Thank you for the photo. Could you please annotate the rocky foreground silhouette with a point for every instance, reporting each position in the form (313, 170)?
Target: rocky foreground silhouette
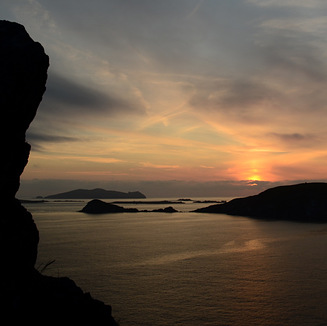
(27, 297)
(305, 202)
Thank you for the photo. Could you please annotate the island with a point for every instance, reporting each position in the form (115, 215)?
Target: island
(149, 202)
(305, 202)
(96, 193)
(97, 206)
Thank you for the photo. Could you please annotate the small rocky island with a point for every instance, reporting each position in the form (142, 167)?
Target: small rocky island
(97, 206)
(305, 202)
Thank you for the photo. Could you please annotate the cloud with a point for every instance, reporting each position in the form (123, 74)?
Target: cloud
(37, 140)
(195, 9)
(62, 90)
(287, 83)
(290, 137)
(286, 3)
(297, 171)
(239, 100)
(160, 166)
(49, 138)
(312, 25)
(294, 56)
(72, 97)
(297, 139)
(255, 71)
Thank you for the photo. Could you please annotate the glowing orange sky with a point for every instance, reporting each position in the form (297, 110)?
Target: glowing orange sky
(190, 90)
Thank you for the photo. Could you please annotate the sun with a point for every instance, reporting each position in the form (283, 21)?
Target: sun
(254, 177)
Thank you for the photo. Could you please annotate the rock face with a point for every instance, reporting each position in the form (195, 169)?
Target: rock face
(306, 202)
(27, 297)
(23, 74)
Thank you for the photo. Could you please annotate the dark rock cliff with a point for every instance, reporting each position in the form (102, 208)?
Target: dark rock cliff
(23, 74)
(306, 202)
(26, 295)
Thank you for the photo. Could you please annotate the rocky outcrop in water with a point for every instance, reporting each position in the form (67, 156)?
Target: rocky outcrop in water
(306, 202)
(97, 206)
(168, 209)
(27, 297)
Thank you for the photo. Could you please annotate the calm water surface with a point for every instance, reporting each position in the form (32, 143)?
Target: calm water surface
(187, 268)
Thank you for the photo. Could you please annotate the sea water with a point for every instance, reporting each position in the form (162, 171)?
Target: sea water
(161, 269)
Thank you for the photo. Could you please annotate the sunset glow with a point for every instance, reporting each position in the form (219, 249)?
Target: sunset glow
(255, 178)
(186, 91)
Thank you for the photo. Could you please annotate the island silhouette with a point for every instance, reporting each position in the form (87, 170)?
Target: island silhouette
(305, 202)
(97, 206)
(96, 193)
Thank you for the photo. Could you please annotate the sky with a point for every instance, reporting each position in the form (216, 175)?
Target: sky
(194, 97)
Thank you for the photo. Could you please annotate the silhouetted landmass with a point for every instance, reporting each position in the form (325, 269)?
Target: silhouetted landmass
(166, 210)
(23, 67)
(28, 297)
(209, 201)
(96, 193)
(97, 206)
(306, 202)
(199, 201)
(48, 300)
(150, 202)
(27, 201)
(67, 201)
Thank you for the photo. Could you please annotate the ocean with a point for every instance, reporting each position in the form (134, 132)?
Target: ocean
(161, 269)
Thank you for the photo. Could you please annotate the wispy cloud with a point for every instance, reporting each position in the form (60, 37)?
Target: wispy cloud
(37, 140)
(37, 137)
(298, 140)
(184, 90)
(160, 166)
(195, 9)
(287, 3)
(71, 97)
(311, 25)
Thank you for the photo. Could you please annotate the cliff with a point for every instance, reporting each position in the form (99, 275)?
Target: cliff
(306, 202)
(23, 74)
(27, 297)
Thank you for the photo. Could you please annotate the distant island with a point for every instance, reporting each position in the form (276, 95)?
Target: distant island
(97, 206)
(305, 202)
(149, 202)
(96, 193)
